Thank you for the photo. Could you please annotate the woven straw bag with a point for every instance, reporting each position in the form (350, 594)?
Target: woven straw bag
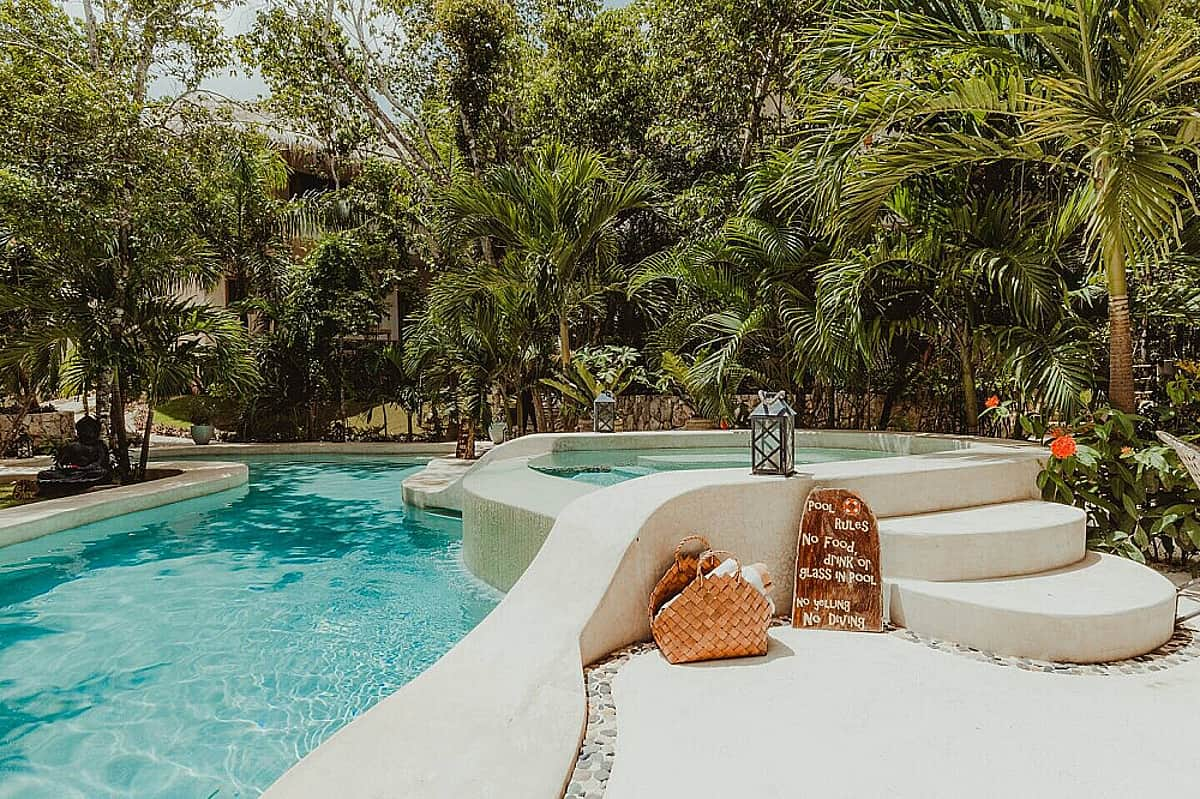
(713, 617)
(681, 572)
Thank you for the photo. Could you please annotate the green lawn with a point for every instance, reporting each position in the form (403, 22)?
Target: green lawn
(174, 413)
(177, 413)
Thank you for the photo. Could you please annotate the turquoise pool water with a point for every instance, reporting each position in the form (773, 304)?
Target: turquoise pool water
(200, 649)
(609, 467)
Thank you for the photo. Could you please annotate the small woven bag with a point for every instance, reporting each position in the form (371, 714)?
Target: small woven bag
(713, 617)
(681, 572)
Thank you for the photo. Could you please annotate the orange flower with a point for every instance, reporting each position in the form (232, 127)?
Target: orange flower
(1063, 447)
(992, 402)
(1126, 450)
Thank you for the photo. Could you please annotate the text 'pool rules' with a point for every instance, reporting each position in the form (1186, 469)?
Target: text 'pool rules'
(838, 581)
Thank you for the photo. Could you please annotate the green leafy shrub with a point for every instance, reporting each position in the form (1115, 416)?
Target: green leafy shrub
(597, 369)
(1140, 503)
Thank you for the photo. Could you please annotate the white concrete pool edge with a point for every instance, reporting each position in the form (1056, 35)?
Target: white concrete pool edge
(246, 449)
(445, 490)
(501, 715)
(198, 478)
(509, 508)
(45, 517)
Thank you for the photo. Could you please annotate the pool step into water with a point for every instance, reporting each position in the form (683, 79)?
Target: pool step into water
(998, 540)
(1100, 609)
(1014, 578)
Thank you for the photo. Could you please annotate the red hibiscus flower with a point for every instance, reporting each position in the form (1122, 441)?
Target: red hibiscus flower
(1063, 447)
(992, 402)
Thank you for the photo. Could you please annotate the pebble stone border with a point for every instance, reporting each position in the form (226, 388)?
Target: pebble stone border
(598, 750)
(1183, 646)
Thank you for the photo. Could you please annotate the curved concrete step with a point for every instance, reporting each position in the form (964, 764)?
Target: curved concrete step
(1101, 609)
(999, 540)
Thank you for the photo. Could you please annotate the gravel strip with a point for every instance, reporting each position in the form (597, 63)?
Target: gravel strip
(1184, 646)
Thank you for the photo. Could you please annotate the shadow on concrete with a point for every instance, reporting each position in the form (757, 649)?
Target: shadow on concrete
(776, 649)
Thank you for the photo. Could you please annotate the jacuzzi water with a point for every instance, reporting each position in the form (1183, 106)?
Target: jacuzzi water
(609, 467)
(200, 649)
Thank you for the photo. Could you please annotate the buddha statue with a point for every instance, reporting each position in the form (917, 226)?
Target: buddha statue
(79, 465)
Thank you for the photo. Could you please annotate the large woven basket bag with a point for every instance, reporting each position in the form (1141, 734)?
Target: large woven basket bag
(681, 572)
(713, 617)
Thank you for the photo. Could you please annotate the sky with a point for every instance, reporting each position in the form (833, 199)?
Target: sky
(236, 82)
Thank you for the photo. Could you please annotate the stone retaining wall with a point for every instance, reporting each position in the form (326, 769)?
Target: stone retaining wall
(653, 412)
(642, 412)
(53, 428)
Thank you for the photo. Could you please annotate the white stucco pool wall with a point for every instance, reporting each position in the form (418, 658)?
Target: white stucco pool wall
(196, 478)
(509, 508)
(502, 714)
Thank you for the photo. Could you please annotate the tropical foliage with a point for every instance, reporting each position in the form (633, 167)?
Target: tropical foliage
(889, 209)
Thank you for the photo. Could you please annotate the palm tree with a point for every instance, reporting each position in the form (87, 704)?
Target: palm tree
(97, 315)
(1099, 91)
(551, 225)
(184, 346)
(738, 301)
(247, 223)
(479, 329)
(956, 272)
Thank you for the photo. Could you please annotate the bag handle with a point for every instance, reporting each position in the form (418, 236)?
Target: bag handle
(737, 575)
(698, 538)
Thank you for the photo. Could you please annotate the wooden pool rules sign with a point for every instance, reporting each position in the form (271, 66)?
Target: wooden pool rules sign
(838, 583)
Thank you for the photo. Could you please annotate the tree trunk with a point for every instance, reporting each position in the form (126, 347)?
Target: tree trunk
(755, 122)
(564, 340)
(144, 458)
(119, 431)
(889, 402)
(89, 16)
(520, 431)
(101, 408)
(540, 424)
(970, 398)
(1120, 337)
(1120, 333)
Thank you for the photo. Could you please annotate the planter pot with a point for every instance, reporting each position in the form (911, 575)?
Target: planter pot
(202, 433)
(700, 423)
(497, 431)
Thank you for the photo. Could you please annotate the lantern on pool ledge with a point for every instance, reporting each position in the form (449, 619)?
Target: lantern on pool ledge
(773, 436)
(604, 413)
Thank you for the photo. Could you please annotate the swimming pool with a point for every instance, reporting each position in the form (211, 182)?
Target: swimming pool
(200, 649)
(609, 467)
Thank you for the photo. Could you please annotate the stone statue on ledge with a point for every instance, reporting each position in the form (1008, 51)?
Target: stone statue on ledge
(79, 465)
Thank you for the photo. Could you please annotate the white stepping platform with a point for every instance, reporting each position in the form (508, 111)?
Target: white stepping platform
(998, 540)
(1101, 609)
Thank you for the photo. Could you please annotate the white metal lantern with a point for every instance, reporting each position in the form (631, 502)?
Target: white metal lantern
(773, 436)
(604, 413)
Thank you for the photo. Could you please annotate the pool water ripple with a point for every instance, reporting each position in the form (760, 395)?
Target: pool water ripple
(202, 648)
